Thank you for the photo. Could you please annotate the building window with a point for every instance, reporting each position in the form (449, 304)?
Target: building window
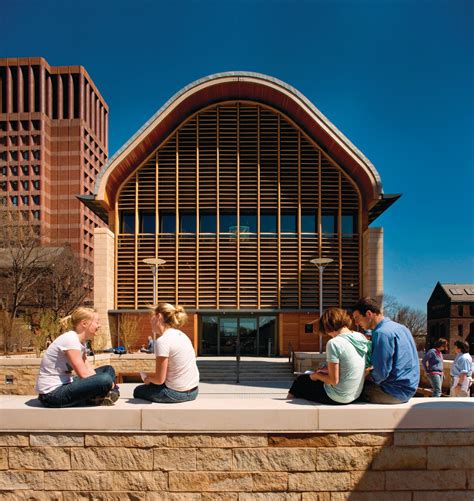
(288, 222)
(228, 221)
(25, 199)
(207, 222)
(460, 330)
(14, 185)
(36, 170)
(329, 223)
(14, 200)
(3, 155)
(471, 310)
(167, 222)
(36, 184)
(36, 214)
(268, 222)
(147, 222)
(26, 155)
(348, 224)
(36, 199)
(14, 155)
(25, 185)
(25, 170)
(460, 310)
(36, 154)
(3, 185)
(3, 171)
(309, 222)
(187, 222)
(248, 222)
(14, 171)
(128, 222)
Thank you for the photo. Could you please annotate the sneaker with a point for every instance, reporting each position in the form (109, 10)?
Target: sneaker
(108, 400)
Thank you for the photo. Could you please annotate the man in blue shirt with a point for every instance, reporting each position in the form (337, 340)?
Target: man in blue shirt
(396, 371)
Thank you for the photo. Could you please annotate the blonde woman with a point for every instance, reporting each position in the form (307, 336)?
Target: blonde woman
(56, 386)
(176, 375)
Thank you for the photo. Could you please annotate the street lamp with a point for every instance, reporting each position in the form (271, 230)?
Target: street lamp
(153, 263)
(321, 263)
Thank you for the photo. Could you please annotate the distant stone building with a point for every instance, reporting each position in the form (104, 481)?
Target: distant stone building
(451, 314)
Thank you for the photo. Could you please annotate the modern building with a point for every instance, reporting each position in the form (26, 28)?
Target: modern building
(53, 143)
(451, 314)
(237, 182)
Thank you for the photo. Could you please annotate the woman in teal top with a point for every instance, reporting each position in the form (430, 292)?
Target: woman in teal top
(347, 355)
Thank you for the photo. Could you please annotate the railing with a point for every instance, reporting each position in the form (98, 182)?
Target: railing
(291, 356)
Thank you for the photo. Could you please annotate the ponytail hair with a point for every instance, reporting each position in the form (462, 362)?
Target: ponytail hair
(76, 317)
(173, 316)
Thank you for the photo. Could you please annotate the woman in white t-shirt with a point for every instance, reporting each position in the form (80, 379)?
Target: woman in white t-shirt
(56, 386)
(176, 375)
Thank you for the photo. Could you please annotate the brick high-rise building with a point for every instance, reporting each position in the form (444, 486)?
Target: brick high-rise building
(53, 144)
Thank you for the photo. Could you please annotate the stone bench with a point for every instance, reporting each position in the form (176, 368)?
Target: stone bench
(238, 449)
(25, 413)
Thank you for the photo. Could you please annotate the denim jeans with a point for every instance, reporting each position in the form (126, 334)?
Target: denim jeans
(162, 394)
(80, 391)
(374, 394)
(436, 381)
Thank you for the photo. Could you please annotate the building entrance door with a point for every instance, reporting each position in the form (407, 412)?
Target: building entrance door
(220, 335)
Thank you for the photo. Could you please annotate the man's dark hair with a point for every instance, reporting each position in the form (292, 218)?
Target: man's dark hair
(462, 345)
(440, 342)
(366, 304)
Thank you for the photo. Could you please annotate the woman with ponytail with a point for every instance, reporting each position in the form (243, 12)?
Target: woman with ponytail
(176, 375)
(56, 386)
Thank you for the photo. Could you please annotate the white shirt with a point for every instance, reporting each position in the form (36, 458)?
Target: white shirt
(54, 369)
(182, 374)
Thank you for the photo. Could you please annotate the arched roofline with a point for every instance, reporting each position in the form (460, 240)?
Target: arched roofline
(227, 86)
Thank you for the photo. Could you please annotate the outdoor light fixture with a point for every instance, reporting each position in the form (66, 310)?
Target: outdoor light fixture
(321, 263)
(153, 263)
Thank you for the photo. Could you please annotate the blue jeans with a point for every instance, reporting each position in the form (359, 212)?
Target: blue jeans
(436, 381)
(162, 394)
(80, 391)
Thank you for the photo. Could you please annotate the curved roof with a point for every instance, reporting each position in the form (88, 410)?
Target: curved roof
(227, 86)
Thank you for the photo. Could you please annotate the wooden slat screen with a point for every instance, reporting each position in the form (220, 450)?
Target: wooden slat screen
(226, 163)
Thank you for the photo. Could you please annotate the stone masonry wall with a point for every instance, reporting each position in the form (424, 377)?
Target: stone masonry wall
(399, 466)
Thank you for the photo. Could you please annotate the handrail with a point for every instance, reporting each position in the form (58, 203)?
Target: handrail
(291, 356)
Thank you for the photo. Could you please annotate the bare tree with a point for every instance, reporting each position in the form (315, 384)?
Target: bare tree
(128, 329)
(23, 262)
(414, 319)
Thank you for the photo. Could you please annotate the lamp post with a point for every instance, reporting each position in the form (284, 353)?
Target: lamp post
(153, 263)
(321, 264)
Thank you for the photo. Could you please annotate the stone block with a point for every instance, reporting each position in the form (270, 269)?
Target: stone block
(450, 458)
(3, 458)
(78, 480)
(269, 496)
(425, 480)
(104, 496)
(433, 438)
(400, 458)
(190, 441)
(358, 439)
(12, 439)
(39, 458)
(344, 458)
(206, 481)
(269, 482)
(214, 459)
(316, 496)
(274, 459)
(19, 480)
(111, 458)
(125, 440)
(303, 440)
(140, 481)
(370, 496)
(218, 496)
(57, 439)
(367, 480)
(31, 496)
(319, 481)
(174, 459)
(445, 496)
(239, 440)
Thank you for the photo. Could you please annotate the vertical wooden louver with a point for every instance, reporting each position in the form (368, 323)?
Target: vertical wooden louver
(257, 179)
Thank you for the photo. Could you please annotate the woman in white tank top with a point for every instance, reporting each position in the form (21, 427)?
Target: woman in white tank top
(176, 375)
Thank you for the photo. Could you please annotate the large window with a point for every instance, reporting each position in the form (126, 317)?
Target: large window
(187, 222)
(128, 222)
(329, 223)
(207, 222)
(147, 222)
(309, 222)
(268, 222)
(228, 221)
(248, 222)
(167, 222)
(288, 221)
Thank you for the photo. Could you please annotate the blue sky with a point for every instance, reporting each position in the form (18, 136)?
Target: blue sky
(396, 77)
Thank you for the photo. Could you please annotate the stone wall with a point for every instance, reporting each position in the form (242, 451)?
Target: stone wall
(398, 466)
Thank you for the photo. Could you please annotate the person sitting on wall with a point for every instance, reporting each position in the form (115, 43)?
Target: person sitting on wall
(461, 370)
(395, 370)
(433, 365)
(56, 386)
(176, 376)
(149, 347)
(341, 382)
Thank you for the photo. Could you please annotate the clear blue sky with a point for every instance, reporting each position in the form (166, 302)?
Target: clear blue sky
(396, 77)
